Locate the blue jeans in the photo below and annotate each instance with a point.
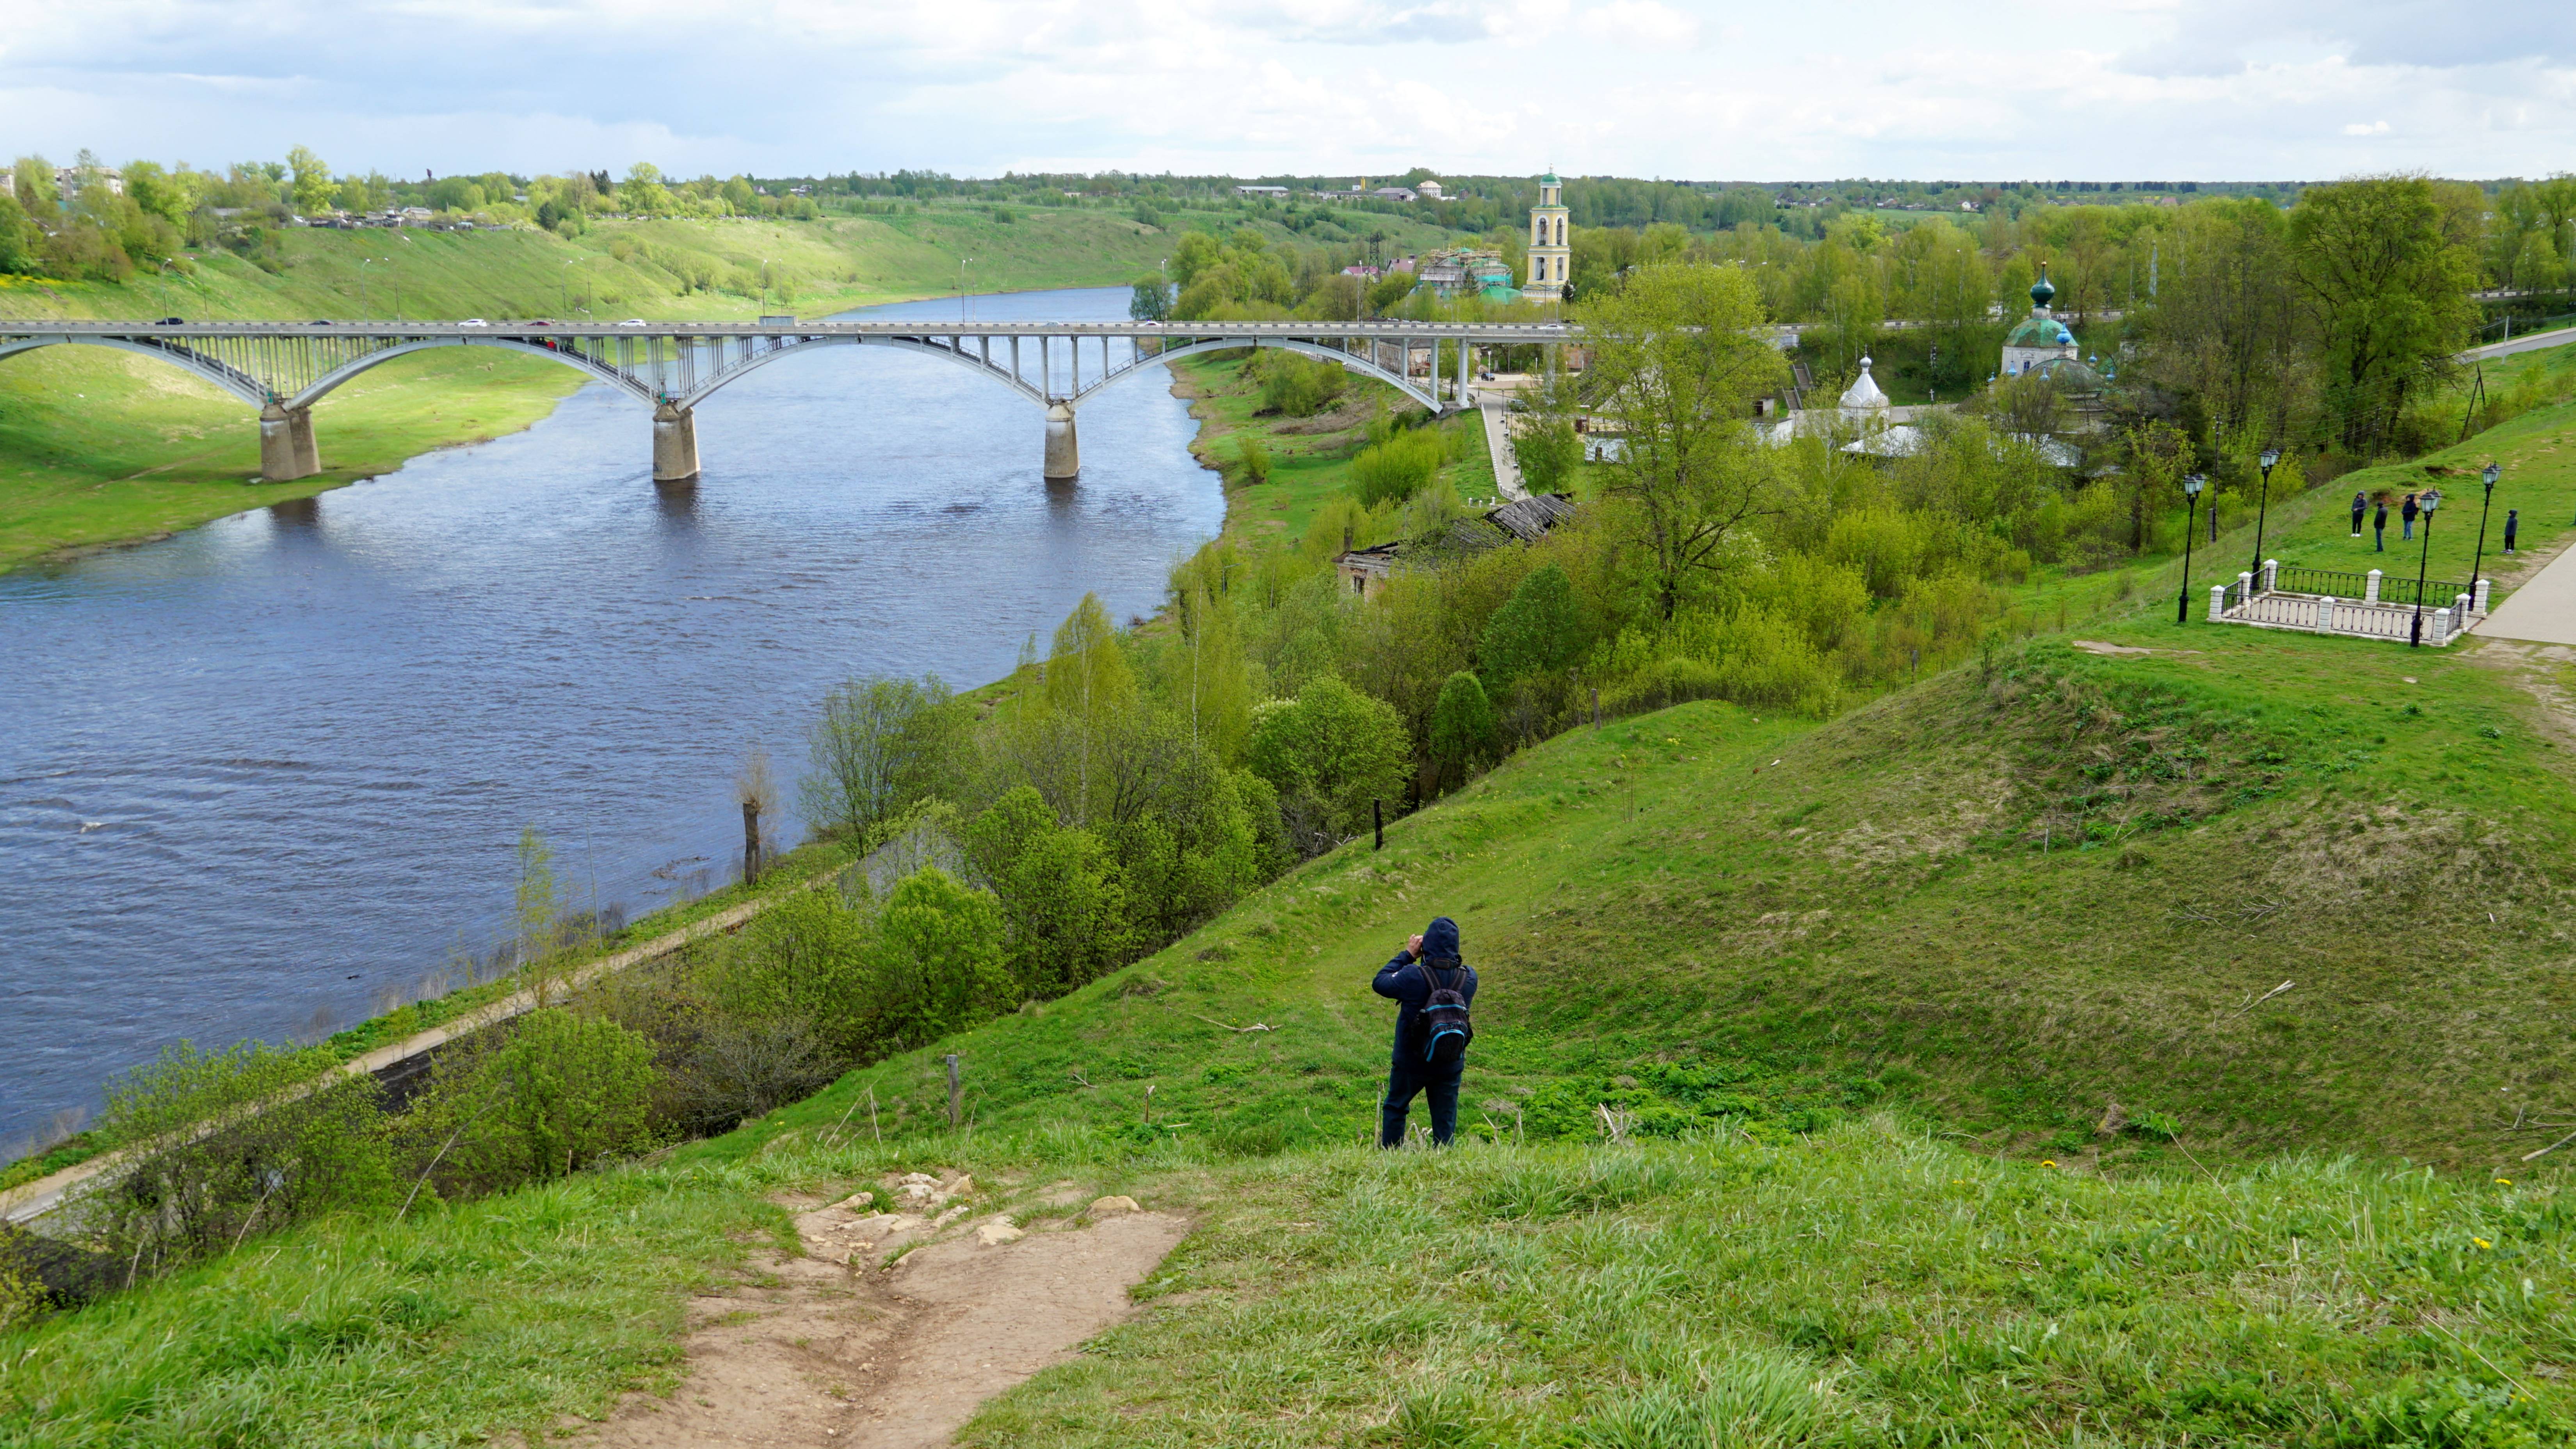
(2408, 533)
(1408, 1077)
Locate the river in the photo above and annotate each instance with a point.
(260, 778)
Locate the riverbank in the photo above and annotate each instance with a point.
(101, 449)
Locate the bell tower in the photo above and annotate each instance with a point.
(1551, 259)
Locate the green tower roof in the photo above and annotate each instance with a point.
(2041, 291)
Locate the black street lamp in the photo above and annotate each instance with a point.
(2271, 456)
(2191, 487)
(2489, 477)
(2430, 501)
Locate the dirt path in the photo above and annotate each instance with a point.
(830, 1348)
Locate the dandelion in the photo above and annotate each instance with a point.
(2505, 1181)
(2481, 1242)
(2048, 1162)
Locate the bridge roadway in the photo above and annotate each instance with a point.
(283, 368)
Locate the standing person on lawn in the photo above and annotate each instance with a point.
(1432, 987)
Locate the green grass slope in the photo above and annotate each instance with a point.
(1854, 993)
(2012, 895)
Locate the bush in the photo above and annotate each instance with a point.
(1299, 386)
(232, 1141)
(561, 1092)
(1251, 458)
(1398, 468)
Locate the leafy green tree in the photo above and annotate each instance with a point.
(1064, 904)
(2389, 287)
(22, 242)
(1537, 631)
(34, 183)
(643, 193)
(1150, 300)
(878, 746)
(1678, 359)
(1299, 386)
(1464, 728)
(1329, 752)
(1388, 290)
(939, 961)
(313, 190)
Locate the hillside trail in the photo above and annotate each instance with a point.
(834, 1347)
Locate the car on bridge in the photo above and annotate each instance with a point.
(473, 322)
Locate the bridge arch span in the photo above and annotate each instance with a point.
(970, 361)
(322, 386)
(1350, 361)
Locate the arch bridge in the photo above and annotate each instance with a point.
(283, 369)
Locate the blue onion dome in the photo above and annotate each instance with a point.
(2041, 291)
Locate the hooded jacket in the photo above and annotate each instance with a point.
(1404, 982)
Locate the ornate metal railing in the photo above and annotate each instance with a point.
(2393, 588)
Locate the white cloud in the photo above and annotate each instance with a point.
(2119, 89)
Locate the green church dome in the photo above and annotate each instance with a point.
(2041, 291)
(2040, 332)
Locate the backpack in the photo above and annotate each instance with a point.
(1444, 1025)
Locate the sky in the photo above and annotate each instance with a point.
(1924, 90)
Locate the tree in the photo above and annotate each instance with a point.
(643, 192)
(939, 961)
(313, 189)
(1329, 753)
(22, 242)
(1464, 729)
(1678, 361)
(2226, 323)
(1398, 468)
(1537, 631)
(2389, 288)
(1151, 300)
(809, 957)
(879, 746)
(1064, 904)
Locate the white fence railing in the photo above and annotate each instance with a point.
(2250, 600)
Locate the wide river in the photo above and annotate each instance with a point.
(259, 777)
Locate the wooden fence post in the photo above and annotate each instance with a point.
(956, 1093)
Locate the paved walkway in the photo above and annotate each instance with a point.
(2542, 610)
(1498, 441)
(2557, 337)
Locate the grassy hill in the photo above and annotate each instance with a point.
(1858, 995)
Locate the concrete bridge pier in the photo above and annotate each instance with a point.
(1063, 449)
(675, 443)
(286, 448)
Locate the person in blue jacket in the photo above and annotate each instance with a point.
(1406, 981)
